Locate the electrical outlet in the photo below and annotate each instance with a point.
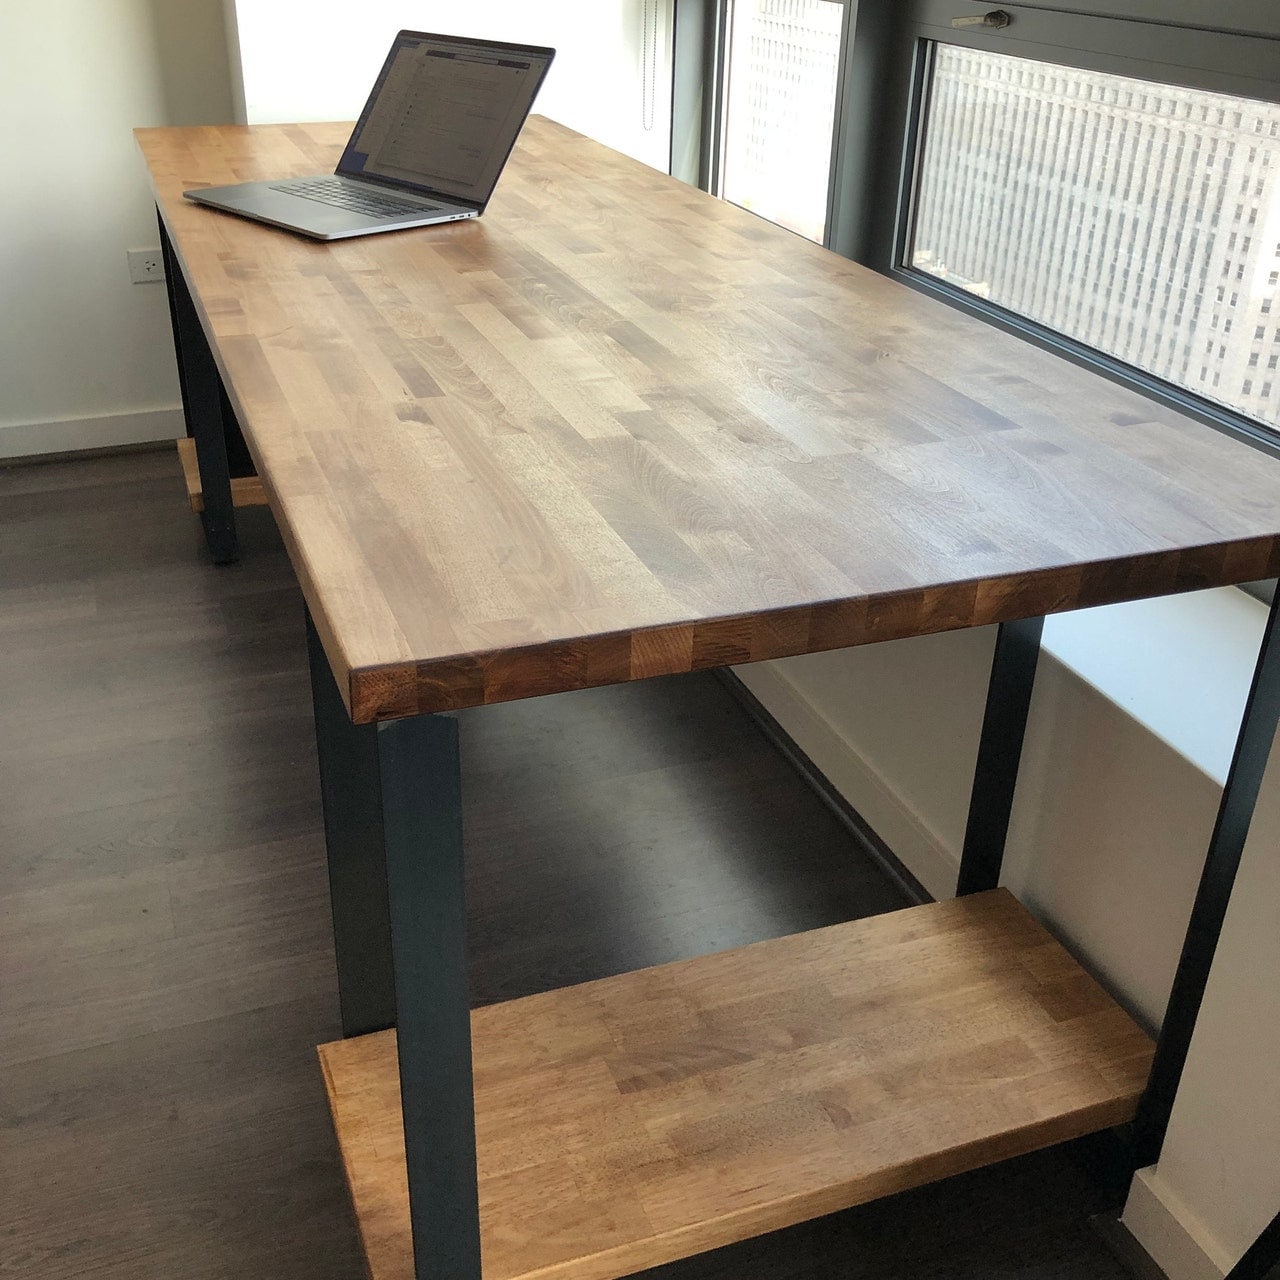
(145, 265)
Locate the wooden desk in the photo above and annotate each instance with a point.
(617, 429)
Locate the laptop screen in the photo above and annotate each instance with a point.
(444, 114)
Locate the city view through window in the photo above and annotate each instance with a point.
(780, 103)
(1141, 219)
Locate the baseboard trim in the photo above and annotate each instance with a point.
(853, 822)
(75, 435)
(1167, 1230)
(854, 780)
(83, 455)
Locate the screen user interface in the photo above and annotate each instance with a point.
(443, 115)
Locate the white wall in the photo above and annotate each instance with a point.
(1107, 841)
(321, 69)
(85, 356)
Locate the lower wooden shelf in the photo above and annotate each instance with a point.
(246, 491)
(640, 1119)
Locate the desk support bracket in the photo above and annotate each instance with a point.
(205, 408)
(393, 823)
(1235, 812)
(995, 776)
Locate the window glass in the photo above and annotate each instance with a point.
(779, 111)
(1110, 210)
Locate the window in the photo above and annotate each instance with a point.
(999, 214)
(781, 62)
(1092, 178)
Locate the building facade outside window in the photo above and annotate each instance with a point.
(1108, 209)
(781, 65)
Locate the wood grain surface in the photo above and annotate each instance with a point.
(616, 428)
(246, 491)
(632, 1121)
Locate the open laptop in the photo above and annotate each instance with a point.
(429, 146)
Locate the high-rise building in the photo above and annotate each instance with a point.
(780, 109)
(1139, 218)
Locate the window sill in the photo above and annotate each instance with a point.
(1180, 665)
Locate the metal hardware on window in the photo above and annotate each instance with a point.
(996, 19)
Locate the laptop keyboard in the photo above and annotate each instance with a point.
(334, 192)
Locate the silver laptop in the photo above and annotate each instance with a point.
(429, 146)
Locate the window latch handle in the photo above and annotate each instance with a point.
(997, 18)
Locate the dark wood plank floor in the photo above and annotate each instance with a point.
(165, 966)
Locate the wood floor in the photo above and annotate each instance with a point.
(165, 969)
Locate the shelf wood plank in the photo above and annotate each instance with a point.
(640, 1119)
(246, 491)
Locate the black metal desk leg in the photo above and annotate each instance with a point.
(205, 407)
(1261, 1259)
(170, 272)
(350, 788)
(422, 822)
(393, 823)
(1235, 812)
(995, 776)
